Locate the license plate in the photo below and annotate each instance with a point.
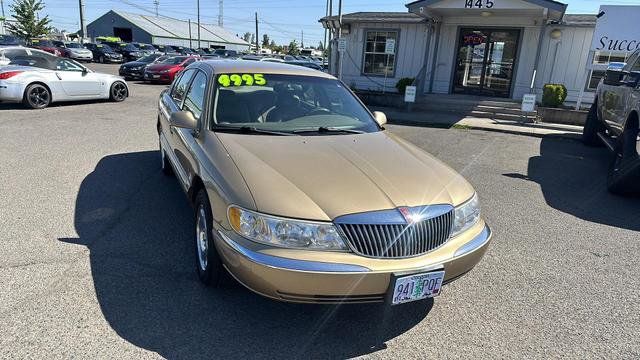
(156, 76)
(417, 287)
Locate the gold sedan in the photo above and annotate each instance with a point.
(301, 194)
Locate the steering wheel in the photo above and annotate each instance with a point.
(319, 111)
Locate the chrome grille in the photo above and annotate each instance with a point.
(398, 240)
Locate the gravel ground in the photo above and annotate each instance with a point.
(96, 257)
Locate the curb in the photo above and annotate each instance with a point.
(498, 129)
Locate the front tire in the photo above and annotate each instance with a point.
(624, 170)
(118, 91)
(36, 96)
(592, 127)
(208, 264)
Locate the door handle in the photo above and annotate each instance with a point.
(58, 76)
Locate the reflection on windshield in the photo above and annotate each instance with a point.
(74, 46)
(289, 103)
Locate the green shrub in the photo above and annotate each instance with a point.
(403, 83)
(553, 95)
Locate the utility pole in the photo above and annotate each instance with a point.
(156, 3)
(83, 26)
(220, 11)
(190, 46)
(340, 58)
(198, 3)
(330, 59)
(257, 41)
(302, 39)
(2, 6)
(324, 40)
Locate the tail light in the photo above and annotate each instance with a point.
(9, 74)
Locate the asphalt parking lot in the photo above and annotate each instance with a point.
(96, 254)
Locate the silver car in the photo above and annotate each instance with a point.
(37, 78)
(76, 51)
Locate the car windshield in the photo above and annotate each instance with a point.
(174, 60)
(74, 46)
(149, 58)
(288, 103)
(146, 47)
(129, 47)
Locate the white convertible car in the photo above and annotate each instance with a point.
(37, 78)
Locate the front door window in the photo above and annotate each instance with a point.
(485, 61)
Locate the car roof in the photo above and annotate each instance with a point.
(266, 67)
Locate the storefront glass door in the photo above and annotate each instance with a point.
(485, 61)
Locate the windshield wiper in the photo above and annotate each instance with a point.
(249, 130)
(324, 129)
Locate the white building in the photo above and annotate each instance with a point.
(496, 48)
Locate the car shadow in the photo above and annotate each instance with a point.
(573, 179)
(137, 225)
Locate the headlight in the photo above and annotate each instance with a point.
(284, 232)
(466, 215)
(165, 71)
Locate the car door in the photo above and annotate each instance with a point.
(171, 101)
(615, 93)
(77, 82)
(185, 140)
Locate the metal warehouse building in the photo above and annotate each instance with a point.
(160, 30)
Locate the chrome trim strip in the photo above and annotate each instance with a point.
(479, 241)
(291, 264)
(394, 216)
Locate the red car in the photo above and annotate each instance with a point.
(45, 45)
(166, 70)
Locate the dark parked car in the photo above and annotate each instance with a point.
(614, 121)
(226, 53)
(166, 49)
(129, 52)
(305, 63)
(135, 69)
(103, 53)
(146, 49)
(8, 40)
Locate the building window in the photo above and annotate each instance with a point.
(376, 62)
(601, 61)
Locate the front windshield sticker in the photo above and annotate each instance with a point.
(241, 79)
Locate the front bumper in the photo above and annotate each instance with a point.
(82, 57)
(160, 77)
(330, 279)
(136, 74)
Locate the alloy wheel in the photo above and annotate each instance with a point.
(39, 96)
(119, 91)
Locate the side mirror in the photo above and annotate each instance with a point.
(183, 120)
(380, 117)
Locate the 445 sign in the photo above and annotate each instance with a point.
(478, 4)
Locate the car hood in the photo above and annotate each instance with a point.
(323, 177)
(160, 67)
(80, 51)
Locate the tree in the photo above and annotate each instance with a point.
(293, 48)
(265, 41)
(320, 46)
(27, 24)
(253, 39)
(272, 45)
(247, 37)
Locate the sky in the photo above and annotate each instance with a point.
(282, 20)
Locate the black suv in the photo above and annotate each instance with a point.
(613, 121)
(129, 52)
(103, 53)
